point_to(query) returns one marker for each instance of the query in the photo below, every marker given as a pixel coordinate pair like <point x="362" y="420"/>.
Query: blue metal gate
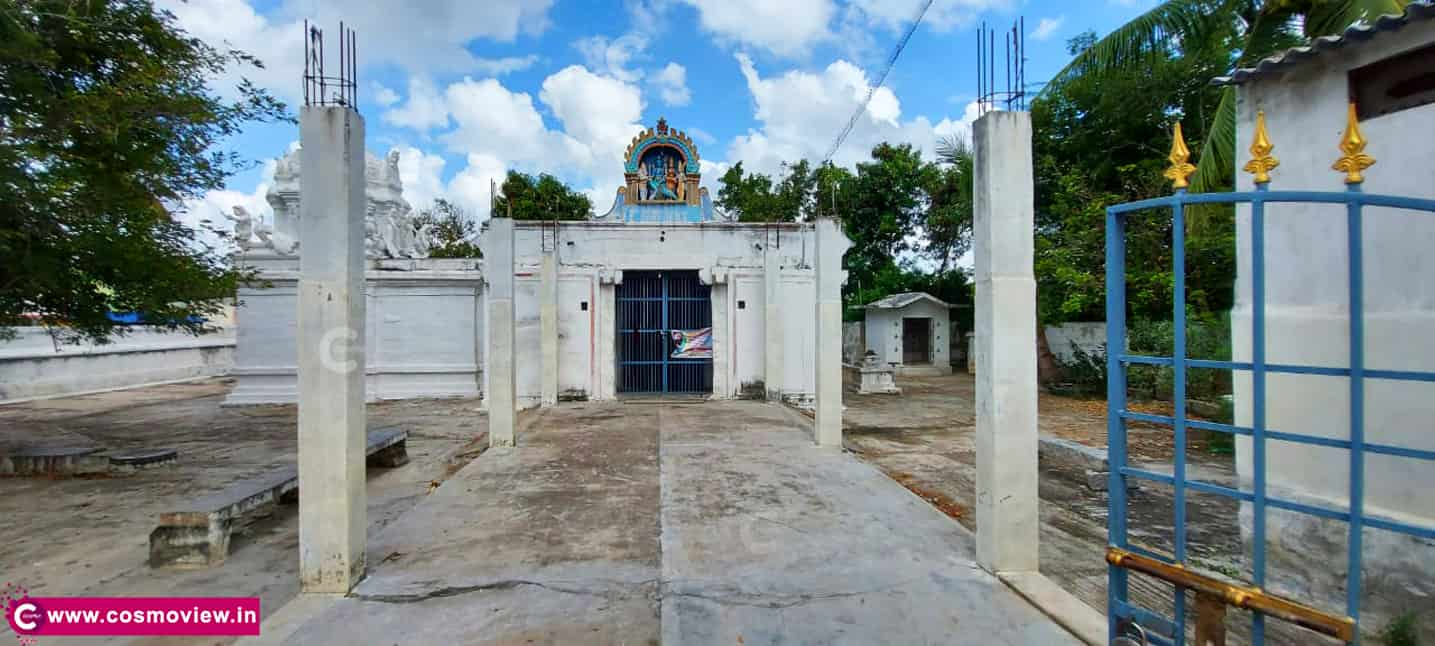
<point x="652" y="306"/>
<point x="1215" y="594"/>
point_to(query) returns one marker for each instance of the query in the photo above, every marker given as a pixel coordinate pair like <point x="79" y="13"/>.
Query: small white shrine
<point x="910" y="333"/>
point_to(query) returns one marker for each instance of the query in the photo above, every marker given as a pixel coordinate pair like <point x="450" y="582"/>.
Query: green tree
<point x="541" y="198"/>
<point x="887" y="201"/>
<point x="754" y="197"/>
<point x="948" y="223"/>
<point x="895" y="206"/>
<point x="750" y="197"/>
<point x="1101" y="139"/>
<point x="833" y="186"/>
<point x="108" y="119"/>
<point x="452" y="232"/>
<point x="1261" y="28"/>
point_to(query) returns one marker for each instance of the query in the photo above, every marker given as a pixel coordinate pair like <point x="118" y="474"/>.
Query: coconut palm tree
<point x="1265" y="27"/>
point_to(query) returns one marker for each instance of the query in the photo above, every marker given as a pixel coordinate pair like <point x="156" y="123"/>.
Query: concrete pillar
<point x="502" y="381"/>
<point x="608" y="280"/>
<point x="1007" y="521"/>
<point x="830" y="245"/>
<point x="548" y="325"/>
<point x="332" y="511"/>
<point x="717" y="278"/>
<point x="772" y="313"/>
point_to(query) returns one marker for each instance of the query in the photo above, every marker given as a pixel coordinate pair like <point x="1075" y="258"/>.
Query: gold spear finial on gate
<point x="1262" y="163"/>
<point x="1180" y="157"/>
<point x="1353" y="145"/>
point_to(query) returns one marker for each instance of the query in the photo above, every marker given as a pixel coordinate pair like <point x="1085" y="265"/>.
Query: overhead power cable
<point x="881" y="78"/>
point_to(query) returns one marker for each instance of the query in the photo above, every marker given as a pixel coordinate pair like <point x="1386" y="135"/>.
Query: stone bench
<point x="82" y="461"/>
<point x="198" y="535"/>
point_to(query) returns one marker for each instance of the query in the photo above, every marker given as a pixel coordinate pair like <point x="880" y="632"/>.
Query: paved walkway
<point x="715" y="523"/>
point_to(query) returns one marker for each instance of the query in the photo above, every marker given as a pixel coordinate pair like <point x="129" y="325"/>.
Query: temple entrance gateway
<point x="664" y="329"/>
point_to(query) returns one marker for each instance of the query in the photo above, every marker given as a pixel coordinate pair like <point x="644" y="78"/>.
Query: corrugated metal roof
<point x="1414" y="12"/>
<point x="904" y="299"/>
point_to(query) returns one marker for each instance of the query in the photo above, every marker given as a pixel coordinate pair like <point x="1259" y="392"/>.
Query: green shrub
<point x="1401" y="631"/>
<point x="1085" y="374"/>
<point x="1207" y="337"/>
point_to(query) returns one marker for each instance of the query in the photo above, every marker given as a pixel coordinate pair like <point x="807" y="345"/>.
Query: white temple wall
<point x="32" y="367"/>
<point x="425" y="317"/>
<point x="748" y="332"/>
<point x="1307" y="308"/>
<point x="734" y="253"/>
<point x="1307" y="323"/>
<point x="577" y="325"/>
<point x="799" y="302"/>
<point x="423" y="331"/>
<point x="527" y="337"/>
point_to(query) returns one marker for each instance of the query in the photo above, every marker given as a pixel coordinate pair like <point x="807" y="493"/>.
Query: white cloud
<point x="712" y="172"/>
<point x="788" y="29"/>
<point x="619" y="58"/>
<point x="699" y="135"/>
<point x="801" y="112"/>
<point x="471" y="189"/>
<point x="672" y="84"/>
<point x="433" y="40"/>
<point x="422" y="175"/>
<point x="498" y="129"/>
<point x="599" y="113"/>
<point x="612" y="57"/>
<point x="217" y="204"/>
<point x="942" y="16"/>
<point x="493" y="120"/>
<point x="233" y="24"/>
<point x="424" y="110"/>
<point x="505" y="65"/>
<point x="1047" y="27"/>
<point x="383" y="95"/>
<point x="648" y="16"/>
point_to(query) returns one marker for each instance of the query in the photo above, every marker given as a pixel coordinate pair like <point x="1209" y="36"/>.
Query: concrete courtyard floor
<point x="89" y="536"/>
<point x="925" y="438"/>
<point x="631" y="523"/>
<point x="610" y="523"/>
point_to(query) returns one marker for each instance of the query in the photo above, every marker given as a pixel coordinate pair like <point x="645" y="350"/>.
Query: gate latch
<point x="1129" y="633"/>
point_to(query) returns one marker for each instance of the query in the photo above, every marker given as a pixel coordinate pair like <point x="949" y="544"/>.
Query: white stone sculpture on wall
<point x="390" y="230"/>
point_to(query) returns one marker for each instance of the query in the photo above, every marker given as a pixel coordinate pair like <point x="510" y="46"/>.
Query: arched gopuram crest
<point x="661" y="166"/>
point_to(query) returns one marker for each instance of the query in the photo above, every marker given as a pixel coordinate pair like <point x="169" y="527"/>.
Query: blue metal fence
<point x="1172" y="629"/>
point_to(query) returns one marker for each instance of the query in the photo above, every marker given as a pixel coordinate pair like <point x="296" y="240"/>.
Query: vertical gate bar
<point x="1258" y="395"/>
<point x="1116" y="584"/>
<point x="663" y="344"/>
<point x="1178" y="366"/>
<point x="1355" y="236"/>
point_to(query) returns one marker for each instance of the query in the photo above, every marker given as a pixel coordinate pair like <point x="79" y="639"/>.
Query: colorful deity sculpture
<point x="662" y="182"/>
<point x="662" y="167"/>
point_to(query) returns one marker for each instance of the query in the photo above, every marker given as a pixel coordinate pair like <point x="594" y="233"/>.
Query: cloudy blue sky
<point x="469" y="89"/>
